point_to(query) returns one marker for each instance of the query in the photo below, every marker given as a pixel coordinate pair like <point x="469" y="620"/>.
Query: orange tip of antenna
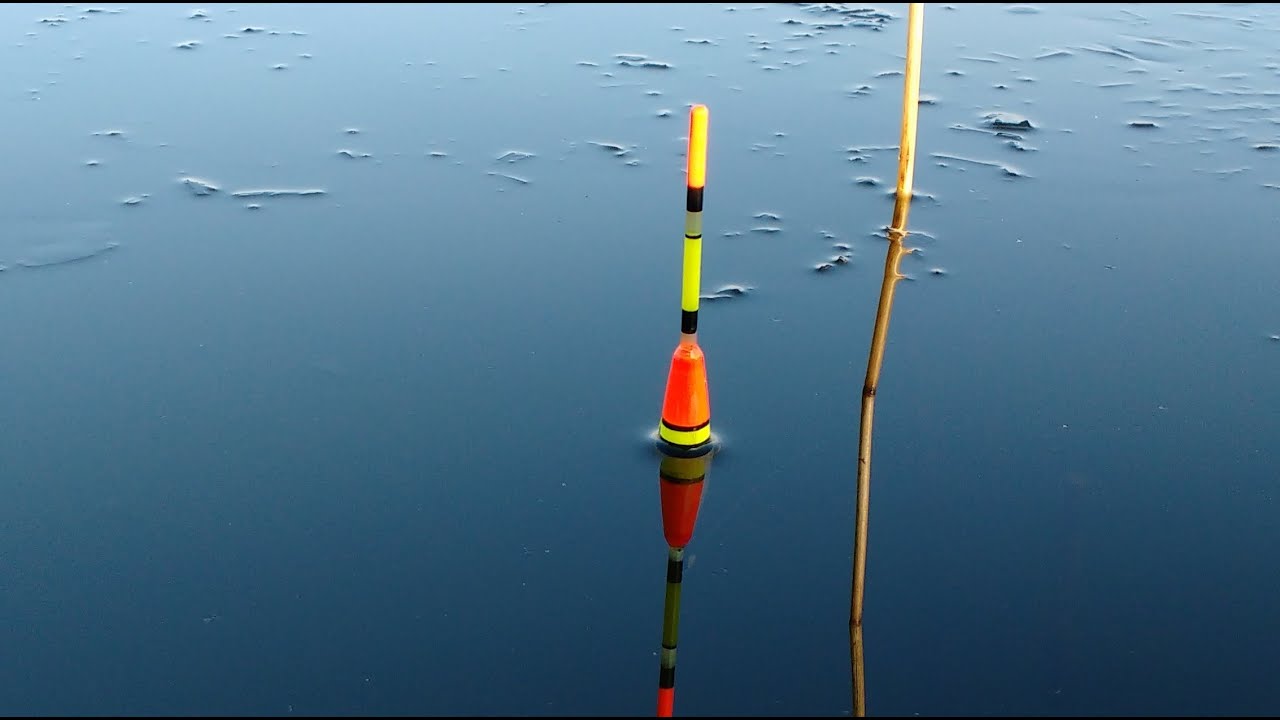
<point x="697" y="155"/>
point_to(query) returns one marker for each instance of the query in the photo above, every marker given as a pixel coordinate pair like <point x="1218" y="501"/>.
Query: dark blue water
<point x="383" y="446"/>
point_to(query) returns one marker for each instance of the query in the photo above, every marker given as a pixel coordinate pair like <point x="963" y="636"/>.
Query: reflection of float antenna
<point x="670" y="628"/>
<point x="685" y="427"/>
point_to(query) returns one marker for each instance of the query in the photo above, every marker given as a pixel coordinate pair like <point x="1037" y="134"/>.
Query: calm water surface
<point x="377" y="440"/>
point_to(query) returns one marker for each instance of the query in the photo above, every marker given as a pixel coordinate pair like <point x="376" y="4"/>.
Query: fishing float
<point x="684" y="429"/>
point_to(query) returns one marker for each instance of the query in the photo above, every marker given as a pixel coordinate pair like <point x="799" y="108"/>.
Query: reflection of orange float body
<point x="680" y="482"/>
